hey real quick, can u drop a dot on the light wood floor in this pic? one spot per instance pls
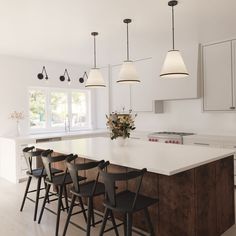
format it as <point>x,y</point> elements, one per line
<point>16,223</point>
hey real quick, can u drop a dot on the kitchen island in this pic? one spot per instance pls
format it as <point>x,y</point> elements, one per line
<point>194,185</point>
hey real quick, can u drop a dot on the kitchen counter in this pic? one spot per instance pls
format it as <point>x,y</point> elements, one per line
<point>54,135</point>
<point>215,138</point>
<point>194,185</point>
<point>160,158</point>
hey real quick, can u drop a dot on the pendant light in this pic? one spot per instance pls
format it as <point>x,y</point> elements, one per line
<point>128,73</point>
<point>95,79</point>
<point>173,66</point>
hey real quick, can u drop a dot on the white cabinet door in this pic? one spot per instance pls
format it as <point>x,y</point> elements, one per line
<point>143,94</point>
<point>234,68</point>
<point>217,73</point>
<point>120,93</point>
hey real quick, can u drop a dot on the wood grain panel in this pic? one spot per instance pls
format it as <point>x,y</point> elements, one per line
<point>176,204</point>
<point>205,190</point>
<point>225,194</point>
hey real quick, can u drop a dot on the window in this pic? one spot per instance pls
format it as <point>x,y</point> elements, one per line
<point>79,110</point>
<point>58,109</point>
<point>37,109</point>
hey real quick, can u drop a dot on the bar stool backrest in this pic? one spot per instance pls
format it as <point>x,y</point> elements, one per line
<point>30,153</point>
<point>48,160</point>
<point>110,180</point>
<point>74,170</point>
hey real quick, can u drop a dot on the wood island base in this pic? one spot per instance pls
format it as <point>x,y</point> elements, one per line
<point>196,202</point>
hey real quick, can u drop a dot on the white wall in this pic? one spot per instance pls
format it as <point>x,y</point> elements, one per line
<point>17,75</point>
<point>187,116</point>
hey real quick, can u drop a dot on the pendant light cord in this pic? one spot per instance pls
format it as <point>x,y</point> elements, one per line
<point>173,28</point>
<point>127,41</point>
<point>94,51</point>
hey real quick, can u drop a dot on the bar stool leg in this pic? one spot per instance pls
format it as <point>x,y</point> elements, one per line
<point>83,209</point>
<point>129,224</point>
<point>149,223</point>
<point>114,223</point>
<point>89,216</point>
<point>45,185</point>
<point>92,209</point>
<point>125,225</point>
<point>44,203</point>
<point>26,192</point>
<point>37,198</point>
<point>104,221</point>
<point>69,214</point>
<point>59,209</point>
<point>66,199</point>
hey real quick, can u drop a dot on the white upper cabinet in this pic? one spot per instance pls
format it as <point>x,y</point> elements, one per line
<point>217,73</point>
<point>141,96</point>
<point>143,93</point>
<point>234,70</point>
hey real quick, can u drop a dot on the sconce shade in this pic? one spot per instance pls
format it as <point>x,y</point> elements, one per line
<point>95,79</point>
<point>174,66</point>
<point>62,78</point>
<point>128,73</point>
<point>40,76</point>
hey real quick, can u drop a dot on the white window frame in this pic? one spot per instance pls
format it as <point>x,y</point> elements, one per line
<point>47,91</point>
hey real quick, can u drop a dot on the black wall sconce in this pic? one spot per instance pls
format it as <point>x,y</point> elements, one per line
<point>63,77</point>
<point>81,79</point>
<point>42,74</point>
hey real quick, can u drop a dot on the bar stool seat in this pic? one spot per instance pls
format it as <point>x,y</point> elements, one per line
<point>29,154</point>
<point>86,189</point>
<point>40,172</point>
<point>60,182</point>
<point>61,179</point>
<point>125,202</point>
<point>125,199</point>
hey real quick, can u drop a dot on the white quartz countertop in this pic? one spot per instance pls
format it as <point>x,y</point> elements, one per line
<point>214,138</point>
<point>55,135</point>
<point>159,158</point>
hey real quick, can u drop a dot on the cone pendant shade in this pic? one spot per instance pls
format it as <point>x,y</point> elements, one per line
<point>174,66</point>
<point>128,73</point>
<point>95,79</point>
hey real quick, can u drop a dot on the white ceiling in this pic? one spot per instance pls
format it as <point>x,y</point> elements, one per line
<point>60,29</point>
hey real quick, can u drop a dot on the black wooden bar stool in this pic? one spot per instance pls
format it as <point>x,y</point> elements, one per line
<point>126,202</point>
<point>59,181</point>
<point>39,174</point>
<point>88,190</point>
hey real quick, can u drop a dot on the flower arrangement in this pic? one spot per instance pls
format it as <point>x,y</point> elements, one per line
<point>120,124</point>
<point>15,115</point>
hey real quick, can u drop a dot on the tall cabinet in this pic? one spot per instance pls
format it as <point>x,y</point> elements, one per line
<point>219,76</point>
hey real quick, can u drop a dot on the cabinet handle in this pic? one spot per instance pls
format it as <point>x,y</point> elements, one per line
<point>203,144</point>
<point>232,108</point>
